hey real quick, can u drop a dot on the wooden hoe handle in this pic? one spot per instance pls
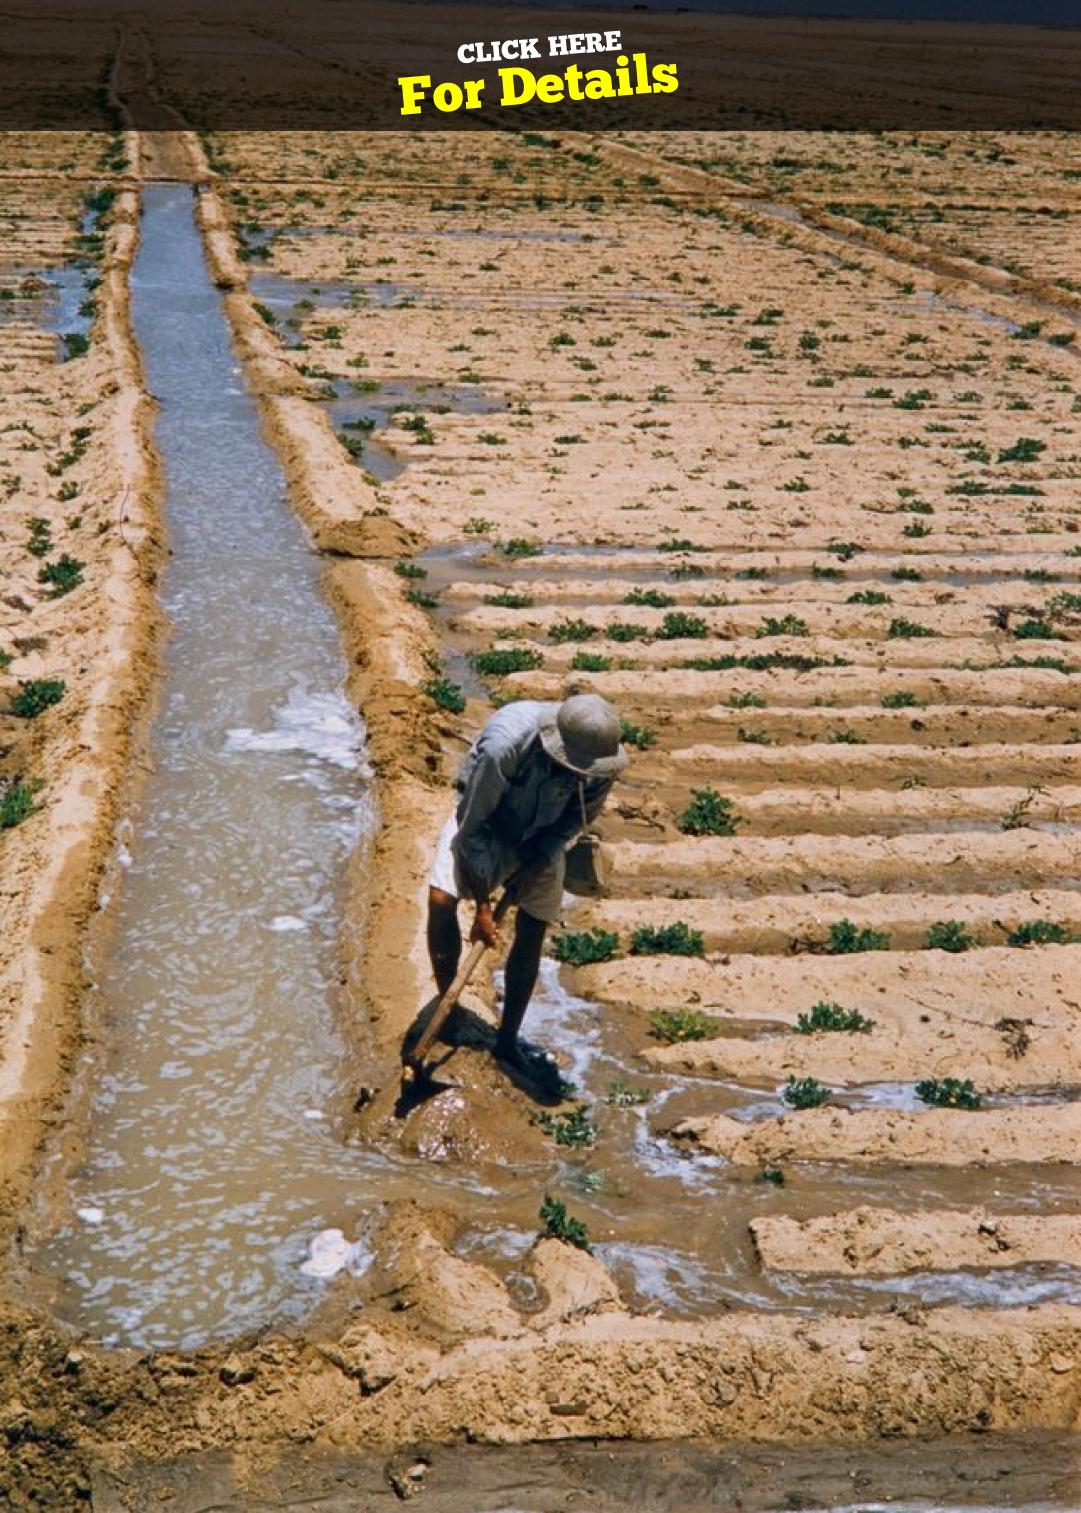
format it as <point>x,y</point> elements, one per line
<point>443,1008</point>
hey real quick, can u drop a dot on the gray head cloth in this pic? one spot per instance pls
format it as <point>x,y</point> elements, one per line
<point>584,736</point>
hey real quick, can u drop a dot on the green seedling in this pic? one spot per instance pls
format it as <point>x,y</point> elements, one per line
<point>1039,932</point>
<point>559,1225</point>
<point>771,1174</point>
<point>650,598</point>
<point>950,935</point>
<point>948,1092</point>
<point>1017,815</point>
<point>906,575</point>
<point>746,701</point>
<point>755,737</point>
<point>708,814</point>
<point>590,661</point>
<point>622,1094</point>
<point>641,737</point>
<point>501,660</point>
<point>584,948</point>
<point>65,574</point>
<point>17,802</point>
<point>825,1018</point>
<point>902,629</point>
<point>571,630</point>
<point>520,546</point>
<point>805,1092</point>
<point>36,695</point>
<point>76,344</point>
<point>506,599</point>
<point>845,939</point>
<point>674,1026</point>
<point>1036,630</point>
<point>789,625</point>
<point>41,541</point>
<point>423,598</point>
<point>679,626</point>
<point>847,737</point>
<point>411,570</point>
<point>677,939</point>
<point>622,630</point>
<point>680,544</point>
<point>1062,605</point>
<point>901,700</point>
<point>574,1129</point>
<point>1024,449</point>
<point>446,694</point>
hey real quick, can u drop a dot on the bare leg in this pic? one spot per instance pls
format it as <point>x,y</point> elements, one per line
<point>444,937</point>
<point>523,964</point>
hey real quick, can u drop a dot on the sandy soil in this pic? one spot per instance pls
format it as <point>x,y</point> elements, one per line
<point>80,482</point>
<point>875,1241</point>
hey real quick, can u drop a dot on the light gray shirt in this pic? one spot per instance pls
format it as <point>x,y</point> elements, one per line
<point>516,801</point>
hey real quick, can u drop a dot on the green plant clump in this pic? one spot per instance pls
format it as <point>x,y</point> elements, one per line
<point>805,1092</point>
<point>674,1026</point>
<point>679,626</point>
<point>571,630</point>
<point>825,1017</point>
<point>581,948</point>
<point>508,599</point>
<point>65,574</point>
<point>788,625</point>
<point>845,939</point>
<point>708,814</point>
<point>501,660</point>
<point>651,598</point>
<point>590,661</point>
<point>948,1092</point>
<point>950,935</point>
<point>1039,932</point>
<point>908,630</point>
<point>677,939</point>
<point>559,1225</point>
<point>574,1128</point>
<point>35,695</point>
<point>519,546</point>
<point>641,737</point>
<point>446,694</point>
<point>17,802</point>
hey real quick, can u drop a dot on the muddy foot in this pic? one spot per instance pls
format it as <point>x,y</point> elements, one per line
<point>534,1071</point>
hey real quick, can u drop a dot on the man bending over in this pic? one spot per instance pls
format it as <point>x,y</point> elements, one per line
<point>537,774</point>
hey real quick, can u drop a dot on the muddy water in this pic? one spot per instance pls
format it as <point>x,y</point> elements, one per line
<point>217,993</point>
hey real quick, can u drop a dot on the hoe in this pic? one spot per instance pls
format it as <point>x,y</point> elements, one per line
<point>416,1076</point>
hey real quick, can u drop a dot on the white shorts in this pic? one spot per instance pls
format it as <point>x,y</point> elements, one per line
<point>541,894</point>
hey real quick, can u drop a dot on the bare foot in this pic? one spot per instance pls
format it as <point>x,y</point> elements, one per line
<point>531,1069</point>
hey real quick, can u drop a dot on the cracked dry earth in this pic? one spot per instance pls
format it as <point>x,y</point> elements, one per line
<point>793,484</point>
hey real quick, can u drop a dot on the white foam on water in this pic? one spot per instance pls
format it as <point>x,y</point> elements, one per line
<point>321,725</point>
<point>90,1214</point>
<point>282,924</point>
<point>655,1271</point>
<point>932,1505</point>
<point>329,1253</point>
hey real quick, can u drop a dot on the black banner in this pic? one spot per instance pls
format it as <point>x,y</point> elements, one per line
<point>378,65</point>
